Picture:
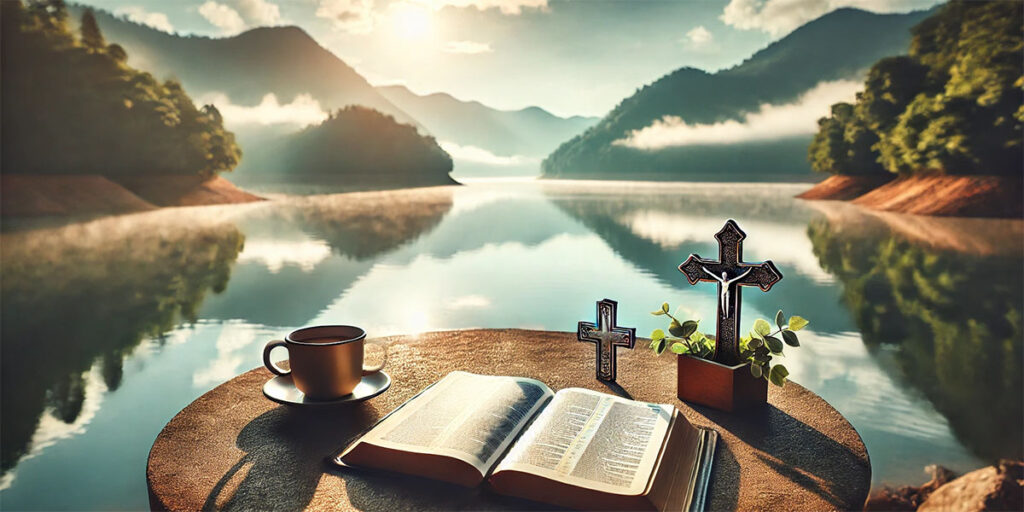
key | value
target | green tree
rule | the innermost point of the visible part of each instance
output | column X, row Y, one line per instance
column 954, row 105
column 91, row 35
column 74, row 106
column 843, row 144
column 891, row 84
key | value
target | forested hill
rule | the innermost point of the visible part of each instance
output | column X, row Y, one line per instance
column 532, row 131
column 71, row 105
column 355, row 147
column 840, row 45
column 284, row 61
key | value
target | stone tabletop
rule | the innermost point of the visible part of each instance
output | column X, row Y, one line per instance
column 234, row 449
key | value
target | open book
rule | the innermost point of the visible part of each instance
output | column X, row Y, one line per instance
column 575, row 448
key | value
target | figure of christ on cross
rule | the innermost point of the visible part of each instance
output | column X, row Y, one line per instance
column 606, row 335
column 731, row 273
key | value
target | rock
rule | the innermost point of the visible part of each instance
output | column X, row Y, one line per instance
column 909, row 497
column 992, row 488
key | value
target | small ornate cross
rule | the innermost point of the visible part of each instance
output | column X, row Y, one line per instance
column 730, row 272
column 606, row 335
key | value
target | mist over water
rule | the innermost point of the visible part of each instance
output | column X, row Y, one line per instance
column 111, row 326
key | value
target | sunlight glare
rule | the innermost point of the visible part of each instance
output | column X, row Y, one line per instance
column 411, row 21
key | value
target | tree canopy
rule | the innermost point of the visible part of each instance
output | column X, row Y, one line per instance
column 71, row 105
column 954, row 105
column 356, row 146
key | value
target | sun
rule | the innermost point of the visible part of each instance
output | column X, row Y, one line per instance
column 411, row 21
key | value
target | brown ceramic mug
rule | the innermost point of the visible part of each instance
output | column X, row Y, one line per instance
column 326, row 361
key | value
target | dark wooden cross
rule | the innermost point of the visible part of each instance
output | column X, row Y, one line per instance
column 606, row 335
column 730, row 272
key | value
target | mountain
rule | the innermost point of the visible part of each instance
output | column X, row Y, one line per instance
column 529, row 132
column 284, row 61
column 840, row 45
column 358, row 148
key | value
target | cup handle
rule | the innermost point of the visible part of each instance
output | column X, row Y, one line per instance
column 370, row 370
column 275, row 369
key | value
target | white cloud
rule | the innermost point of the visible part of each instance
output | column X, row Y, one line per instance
column 699, row 35
column 222, row 17
column 259, row 12
column 353, row 16
column 512, row 7
column 482, row 156
column 467, row 47
column 769, row 122
column 302, row 111
column 778, row 17
column 157, row 20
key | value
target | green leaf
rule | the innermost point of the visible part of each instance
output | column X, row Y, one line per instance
column 664, row 307
column 660, row 347
column 657, row 313
column 689, row 327
column 778, row 375
column 774, row 344
column 796, row 323
column 756, row 370
column 755, row 342
column 780, row 319
column 762, row 327
column 675, row 329
column 678, row 348
column 790, row 338
column 657, row 334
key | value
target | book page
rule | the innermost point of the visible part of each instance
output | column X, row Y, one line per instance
column 593, row 440
column 466, row 416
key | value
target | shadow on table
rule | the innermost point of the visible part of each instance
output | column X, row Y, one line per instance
column 284, row 474
column 819, row 464
column 618, row 390
column 724, row 488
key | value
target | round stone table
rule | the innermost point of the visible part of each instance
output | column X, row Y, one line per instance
column 234, row 449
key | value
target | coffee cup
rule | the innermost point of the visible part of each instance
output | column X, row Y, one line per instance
column 326, row 361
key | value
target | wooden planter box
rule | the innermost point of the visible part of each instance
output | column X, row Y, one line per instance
column 728, row 388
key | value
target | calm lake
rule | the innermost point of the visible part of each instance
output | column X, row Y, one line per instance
column 111, row 326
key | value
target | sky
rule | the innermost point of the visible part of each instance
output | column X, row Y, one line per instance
column 571, row 57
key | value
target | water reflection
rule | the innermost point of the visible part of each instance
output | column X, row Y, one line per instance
column 657, row 228
column 954, row 316
column 77, row 299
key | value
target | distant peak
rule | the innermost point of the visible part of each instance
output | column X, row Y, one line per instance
column 289, row 31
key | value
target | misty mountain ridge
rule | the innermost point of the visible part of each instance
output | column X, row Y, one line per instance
column 284, row 61
column 287, row 62
column 840, row 45
column 531, row 131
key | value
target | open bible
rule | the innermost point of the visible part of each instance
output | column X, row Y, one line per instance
column 575, row 448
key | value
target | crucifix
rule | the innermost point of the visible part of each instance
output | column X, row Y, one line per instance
column 730, row 272
column 606, row 335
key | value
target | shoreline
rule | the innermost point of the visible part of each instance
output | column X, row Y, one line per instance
column 983, row 196
column 63, row 195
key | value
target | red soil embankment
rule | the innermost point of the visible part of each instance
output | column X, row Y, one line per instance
column 30, row 195
column 186, row 190
column 953, row 196
column 844, row 188
column 39, row 195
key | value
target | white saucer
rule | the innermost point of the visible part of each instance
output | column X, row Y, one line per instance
column 283, row 391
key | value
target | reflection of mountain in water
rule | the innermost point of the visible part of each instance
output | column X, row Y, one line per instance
column 294, row 240
column 657, row 231
column 954, row 316
column 85, row 295
column 289, row 246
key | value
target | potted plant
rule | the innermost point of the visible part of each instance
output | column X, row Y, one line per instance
column 729, row 388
